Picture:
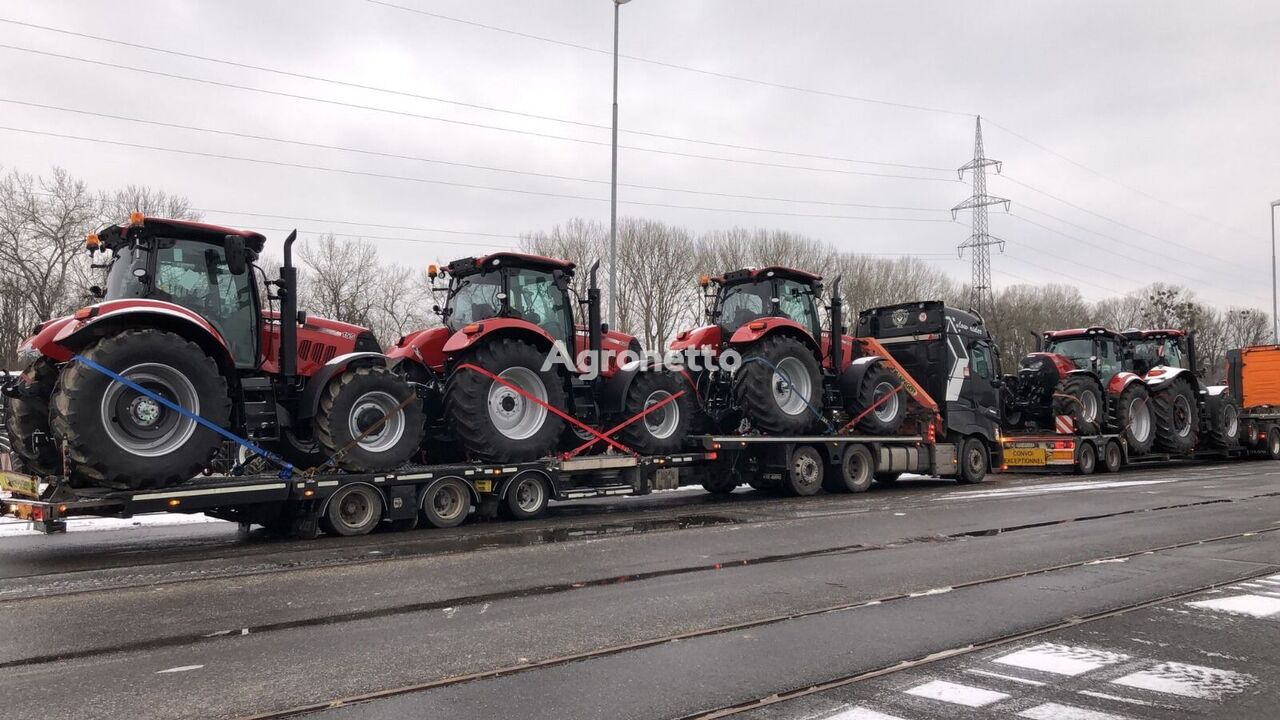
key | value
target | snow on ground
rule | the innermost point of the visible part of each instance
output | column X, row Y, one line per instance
column 12, row 528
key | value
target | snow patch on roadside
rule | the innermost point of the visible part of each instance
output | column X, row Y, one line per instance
column 18, row 528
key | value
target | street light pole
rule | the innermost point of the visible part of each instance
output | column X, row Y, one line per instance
column 1275, row 322
column 613, row 182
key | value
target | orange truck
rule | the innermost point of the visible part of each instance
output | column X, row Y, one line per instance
column 1253, row 379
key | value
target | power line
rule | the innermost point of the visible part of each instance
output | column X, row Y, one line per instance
column 343, row 148
column 650, row 61
column 386, row 176
column 218, row 211
column 459, row 103
column 483, row 126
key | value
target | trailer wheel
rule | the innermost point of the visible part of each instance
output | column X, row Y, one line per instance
column 805, row 471
column 1112, row 457
column 1273, row 443
column 857, row 469
column 526, row 497
column 1086, row 459
column 887, row 478
column 723, row 484
column 445, row 503
column 974, row 460
column 778, row 385
column 353, row 510
column 1177, row 419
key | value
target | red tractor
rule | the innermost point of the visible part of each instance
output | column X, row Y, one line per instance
column 1184, row 407
column 181, row 317
column 510, row 355
column 791, row 378
column 1083, row 374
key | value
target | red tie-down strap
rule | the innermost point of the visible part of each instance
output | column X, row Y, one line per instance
column 871, row 407
column 599, row 436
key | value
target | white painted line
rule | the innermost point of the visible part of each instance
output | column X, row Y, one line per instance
column 1117, row 698
column 1054, row 711
column 1259, row 606
column 1011, row 678
column 860, row 713
column 957, row 693
column 180, row 668
column 1193, row 681
column 1047, row 489
column 1061, row 659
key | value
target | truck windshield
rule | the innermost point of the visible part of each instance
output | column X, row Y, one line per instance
column 740, row 304
column 1078, row 350
column 474, row 298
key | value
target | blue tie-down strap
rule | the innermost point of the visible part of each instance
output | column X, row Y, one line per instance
column 816, row 413
column 286, row 468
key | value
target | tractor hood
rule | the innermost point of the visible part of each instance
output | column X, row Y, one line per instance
column 1047, row 363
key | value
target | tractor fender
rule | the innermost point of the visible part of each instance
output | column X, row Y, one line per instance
column 851, row 378
column 309, row 403
column 1120, row 381
column 522, row 329
column 422, row 346
column 1216, row 390
column 706, row 337
column 1160, row 376
column 614, row 389
column 43, row 340
column 757, row 329
column 146, row 313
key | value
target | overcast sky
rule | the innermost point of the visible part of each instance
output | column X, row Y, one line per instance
column 1175, row 106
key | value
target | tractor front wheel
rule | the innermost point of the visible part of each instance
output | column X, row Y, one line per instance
column 27, row 421
column 878, row 399
column 1133, row 418
column 664, row 430
column 371, row 419
column 779, row 386
column 1177, row 420
column 1080, row 396
column 1223, row 421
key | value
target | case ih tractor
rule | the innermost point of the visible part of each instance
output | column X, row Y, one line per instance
column 1184, row 407
column 509, row 316
column 792, row 378
column 1082, row 373
column 182, row 318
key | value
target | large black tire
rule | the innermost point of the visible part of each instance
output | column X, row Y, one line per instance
column 725, row 483
column 526, row 498
column 856, row 471
column 27, row 421
column 353, row 403
column 877, row 382
column 1177, row 419
column 1086, row 459
column 353, row 510
column 665, row 430
column 805, row 472
column 1080, row 396
column 1222, row 424
column 974, row 461
column 115, row 437
column 769, row 397
column 511, row 428
column 1133, row 417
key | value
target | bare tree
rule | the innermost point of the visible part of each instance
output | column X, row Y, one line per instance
column 340, row 279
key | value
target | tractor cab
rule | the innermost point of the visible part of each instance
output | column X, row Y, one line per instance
column 530, row 288
column 1160, row 348
column 750, row 294
column 1095, row 349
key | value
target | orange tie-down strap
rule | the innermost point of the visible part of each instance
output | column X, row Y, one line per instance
column 598, row 435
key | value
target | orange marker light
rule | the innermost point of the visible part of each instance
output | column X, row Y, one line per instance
column 135, row 218
column 704, row 280
column 91, row 242
column 175, row 502
column 433, row 271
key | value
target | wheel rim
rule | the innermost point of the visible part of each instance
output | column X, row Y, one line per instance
column 1273, row 441
column 791, row 386
column 1181, row 416
column 1086, row 459
column 139, row 424
column 529, row 495
column 1232, row 424
column 355, row 509
column 447, row 501
column 661, row 423
column 856, row 469
column 975, row 460
column 805, row 469
column 1139, row 420
column 368, row 410
column 1089, row 406
column 888, row 410
column 512, row 414
column 1113, row 456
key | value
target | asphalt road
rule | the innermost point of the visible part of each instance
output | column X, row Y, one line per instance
column 1147, row 594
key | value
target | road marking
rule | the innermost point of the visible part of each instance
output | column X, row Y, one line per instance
column 1047, row 489
column 1061, row 659
column 1193, row 681
column 861, row 713
column 1117, row 698
column 180, row 668
column 1055, row 711
column 1259, row 606
column 956, row 693
column 988, row 673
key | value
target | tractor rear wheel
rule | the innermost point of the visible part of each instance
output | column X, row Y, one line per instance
column 1080, row 396
column 494, row 422
column 877, row 385
column 1223, row 421
column 662, row 431
column 117, row 437
column 353, row 404
column 1177, row 422
column 779, row 386
column 1133, row 418
column 27, row 421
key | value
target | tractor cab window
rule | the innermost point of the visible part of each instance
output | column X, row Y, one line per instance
column 1079, row 350
column 474, row 298
column 742, row 303
column 195, row 276
column 533, row 296
column 1152, row 353
column 795, row 301
column 1110, row 358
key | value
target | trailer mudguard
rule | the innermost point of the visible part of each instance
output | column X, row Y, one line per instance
column 309, row 403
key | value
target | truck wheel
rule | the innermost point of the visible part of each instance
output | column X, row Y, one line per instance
column 116, row 437
column 1273, row 443
column 1133, row 418
column 778, row 386
column 805, row 471
column 356, row 401
column 1223, row 421
column 445, row 503
column 1112, row 457
column 353, row 510
column 493, row 422
column 665, row 430
column 1086, row 459
column 1080, row 396
column 527, row 497
column 878, row 385
column 973, row 461
column 857, row 469
column 1174, row 409
column 27, row 421
column 722, row 484
column 887, row 478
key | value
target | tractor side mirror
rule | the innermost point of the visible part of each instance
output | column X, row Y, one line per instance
column 237, row 258
column 96, row 291
column 604, row 328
